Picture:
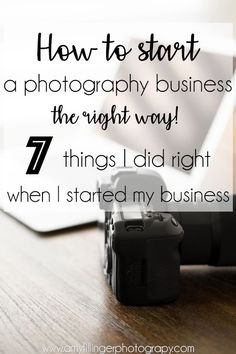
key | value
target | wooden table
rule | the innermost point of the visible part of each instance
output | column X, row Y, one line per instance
column 53, row 293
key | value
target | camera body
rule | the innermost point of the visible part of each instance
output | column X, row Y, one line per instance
column 144, row 180
column 145, row 248
column 142, row 256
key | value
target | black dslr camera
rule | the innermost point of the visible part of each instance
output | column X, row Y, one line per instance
column 145, row 248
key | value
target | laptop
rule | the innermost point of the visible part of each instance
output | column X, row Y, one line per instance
column 217, row 118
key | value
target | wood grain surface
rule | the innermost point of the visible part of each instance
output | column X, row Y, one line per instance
column 53, row 293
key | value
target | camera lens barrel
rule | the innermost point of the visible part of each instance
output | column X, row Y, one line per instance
column 209, row 238
column 224, row 242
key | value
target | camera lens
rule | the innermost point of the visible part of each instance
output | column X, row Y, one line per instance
column 209, row 238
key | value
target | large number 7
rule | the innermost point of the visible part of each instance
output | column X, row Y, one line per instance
column 41, row 145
